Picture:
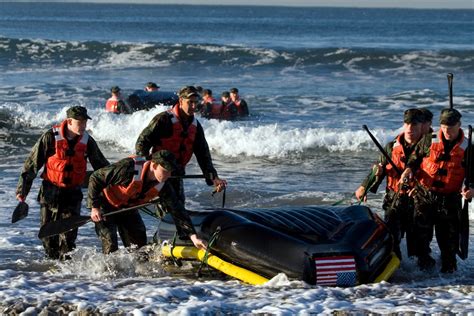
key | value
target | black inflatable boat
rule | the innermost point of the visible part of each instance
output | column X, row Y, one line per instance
column 144, row 100
column 342, row 246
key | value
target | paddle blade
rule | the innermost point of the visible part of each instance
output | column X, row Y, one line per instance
column 62, row 226
column 464, row 232
column 20, row 212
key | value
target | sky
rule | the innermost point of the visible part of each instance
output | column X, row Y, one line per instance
column 434, row 4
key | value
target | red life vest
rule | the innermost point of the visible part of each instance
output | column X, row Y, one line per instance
column 181, row 142
column 443, row 173
column 112, row 105
column 131, row 195
column 239, row 108
column 61, row 169
column 399, row 159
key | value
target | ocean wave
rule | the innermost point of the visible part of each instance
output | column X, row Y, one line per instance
column 231, row 139
column 26, row 54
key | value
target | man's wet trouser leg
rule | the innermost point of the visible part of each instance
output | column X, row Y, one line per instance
column 423, row 234
column 107, row 233
column 447, row 230
column 392, row 220
column 132, row 230
column 69, row 204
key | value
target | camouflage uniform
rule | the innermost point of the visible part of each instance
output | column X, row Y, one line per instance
column 161, row 126
column 439, row 211
column 398, row 206
column 56, row 203
column 129, row 224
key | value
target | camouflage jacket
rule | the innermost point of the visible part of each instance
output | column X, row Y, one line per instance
column 162, row 127
column 45, row 148
column 372, row 182
column 122, row 173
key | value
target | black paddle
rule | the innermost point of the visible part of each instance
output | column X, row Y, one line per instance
column 64, row 225
column 21, row 210
column 450, row 86
column 464, row 215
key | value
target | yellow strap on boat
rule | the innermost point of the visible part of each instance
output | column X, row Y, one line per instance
column 389, row 269
column 215, row 262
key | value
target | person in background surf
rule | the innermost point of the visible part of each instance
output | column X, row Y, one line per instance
column 63, row 152
column 397, row 204
column 228, row 110
column 130, row 182
column 151, row 86
column 115, row 103
column 206, row 104
column 241, row 104
column 442, row 172
column 178, row 131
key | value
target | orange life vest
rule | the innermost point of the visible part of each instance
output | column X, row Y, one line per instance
column 131, row 195
column 112, row 105
column 67, row 167
column 443, row 173
column 181, row 141
column 399, row 159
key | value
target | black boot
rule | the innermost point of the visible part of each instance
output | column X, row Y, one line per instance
column 426, row 263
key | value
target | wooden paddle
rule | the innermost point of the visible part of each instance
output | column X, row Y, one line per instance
column 21, row 210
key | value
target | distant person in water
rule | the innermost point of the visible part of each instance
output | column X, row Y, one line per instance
column 115, row 103
column 241, row 104
column 228, row 110
column 62, row 153
column 151, row 86
column 209, row 106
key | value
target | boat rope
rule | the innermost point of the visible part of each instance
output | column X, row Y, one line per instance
column 206, row 254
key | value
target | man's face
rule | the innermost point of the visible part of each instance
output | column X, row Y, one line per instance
column 234, row 96
column 412, row 132
column 76, row 127
column 161, row 174
column 188, row 105
column 451, row 132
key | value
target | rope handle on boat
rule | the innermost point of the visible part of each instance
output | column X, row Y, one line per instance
column 206, row 254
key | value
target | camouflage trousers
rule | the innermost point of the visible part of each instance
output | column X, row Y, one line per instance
column 57, row 203
column 399, row 219
column 440, row 213
column 129, row 226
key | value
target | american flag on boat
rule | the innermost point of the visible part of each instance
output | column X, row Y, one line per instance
column 338, row 270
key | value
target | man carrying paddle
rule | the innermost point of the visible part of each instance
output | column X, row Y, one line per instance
column 178, row 131
column 397, row 204
column 130, row 182
column 63, row 152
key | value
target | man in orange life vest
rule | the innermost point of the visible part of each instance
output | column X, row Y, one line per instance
column 130, row 182
column 397, row 204
column 442, row 172
column 115, row 104
column 178, row 131
column 62, row 151
column 241, row 104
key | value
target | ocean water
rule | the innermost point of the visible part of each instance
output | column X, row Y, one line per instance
column 312, row 78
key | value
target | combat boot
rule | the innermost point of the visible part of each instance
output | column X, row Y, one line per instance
column 449, row 266
column 426, row 263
